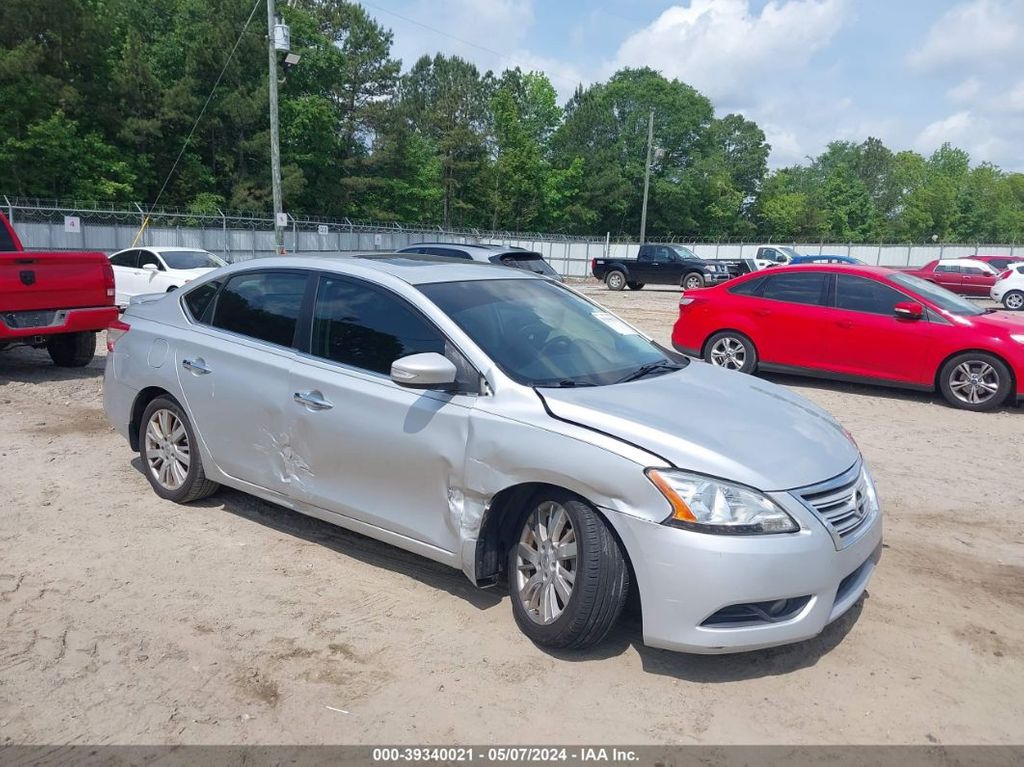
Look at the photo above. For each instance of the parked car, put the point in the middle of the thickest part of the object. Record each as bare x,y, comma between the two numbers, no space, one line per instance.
774,255
1009,287
57,300
503,424
659,264
858,323
960,275
138,271
517,258
825,259
999,263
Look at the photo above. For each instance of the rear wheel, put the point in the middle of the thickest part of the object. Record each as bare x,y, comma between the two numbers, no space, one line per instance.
692,281
635,285
615,280
1014,300
568,579
72,350
732,351
169,453
975,381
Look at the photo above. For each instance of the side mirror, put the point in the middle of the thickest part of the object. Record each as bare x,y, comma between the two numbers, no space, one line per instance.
429,370
151,267
908,310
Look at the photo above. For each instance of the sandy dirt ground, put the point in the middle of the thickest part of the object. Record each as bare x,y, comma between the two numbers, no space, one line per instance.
127,619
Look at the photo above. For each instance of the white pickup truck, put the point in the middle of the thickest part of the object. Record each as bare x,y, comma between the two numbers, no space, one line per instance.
774,255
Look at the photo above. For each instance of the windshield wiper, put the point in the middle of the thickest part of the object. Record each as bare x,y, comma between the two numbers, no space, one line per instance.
571,383
649,368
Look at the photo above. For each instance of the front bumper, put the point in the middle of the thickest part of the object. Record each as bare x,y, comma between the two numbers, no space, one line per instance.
713,278
685,577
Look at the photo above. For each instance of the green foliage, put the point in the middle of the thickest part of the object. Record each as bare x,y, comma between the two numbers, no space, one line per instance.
99,95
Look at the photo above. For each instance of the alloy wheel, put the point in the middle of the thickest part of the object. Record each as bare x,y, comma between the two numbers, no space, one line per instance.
167,449
546,563
729,353
692,283
616,281
974,382
1014,301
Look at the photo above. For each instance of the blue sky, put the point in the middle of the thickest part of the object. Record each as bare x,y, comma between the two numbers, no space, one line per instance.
914,73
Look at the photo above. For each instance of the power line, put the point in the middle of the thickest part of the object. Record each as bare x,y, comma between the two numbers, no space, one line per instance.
209,98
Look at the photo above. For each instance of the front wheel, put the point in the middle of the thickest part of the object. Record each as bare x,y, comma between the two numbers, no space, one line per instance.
975,381
1014,300
692,281
615,280
72,350
568,579
732,351
170,453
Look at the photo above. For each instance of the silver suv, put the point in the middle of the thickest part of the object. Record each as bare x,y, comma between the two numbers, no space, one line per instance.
503,424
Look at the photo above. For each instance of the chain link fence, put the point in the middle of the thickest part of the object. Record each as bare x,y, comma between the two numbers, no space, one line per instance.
238,236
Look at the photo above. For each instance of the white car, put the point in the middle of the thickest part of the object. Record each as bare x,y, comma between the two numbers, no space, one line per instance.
774,255
158,270
1010,289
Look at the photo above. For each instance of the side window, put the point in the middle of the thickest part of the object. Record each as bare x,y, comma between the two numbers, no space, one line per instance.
663,255
198,299
949,268
448,253
263,305
858,294
805,288
367,328
1020,270
646,254
129,258
972,270
748,288
145,257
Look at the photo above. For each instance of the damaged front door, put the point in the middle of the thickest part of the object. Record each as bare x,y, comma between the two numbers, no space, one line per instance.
371,449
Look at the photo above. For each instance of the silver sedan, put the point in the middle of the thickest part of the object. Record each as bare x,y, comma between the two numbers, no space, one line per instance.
503,424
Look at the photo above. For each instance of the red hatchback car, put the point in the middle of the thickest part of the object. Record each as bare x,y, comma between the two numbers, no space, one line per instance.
857,323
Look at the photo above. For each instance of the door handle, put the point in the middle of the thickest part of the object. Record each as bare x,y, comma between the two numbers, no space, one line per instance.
312,399
844,323
762,312
197,366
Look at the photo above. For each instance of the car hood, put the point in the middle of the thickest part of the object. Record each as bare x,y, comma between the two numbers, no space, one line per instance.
191,274
1010,322
717,422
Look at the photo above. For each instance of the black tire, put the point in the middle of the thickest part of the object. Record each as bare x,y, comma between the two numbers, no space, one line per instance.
615,280
172,288
956,384
195,484
601,578
1014,300
744,360
635,285
692,281
72,350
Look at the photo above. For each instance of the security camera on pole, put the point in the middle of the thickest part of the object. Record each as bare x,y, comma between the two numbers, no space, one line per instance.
278,39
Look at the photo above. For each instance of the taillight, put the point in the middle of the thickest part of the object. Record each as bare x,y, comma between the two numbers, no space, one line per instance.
108,279
686,300
115,331
1004,275
593,264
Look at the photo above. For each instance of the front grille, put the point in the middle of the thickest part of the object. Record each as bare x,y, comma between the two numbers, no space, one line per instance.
843,504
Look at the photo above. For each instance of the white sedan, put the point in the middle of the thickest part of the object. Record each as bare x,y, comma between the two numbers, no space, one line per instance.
1009,289
158,270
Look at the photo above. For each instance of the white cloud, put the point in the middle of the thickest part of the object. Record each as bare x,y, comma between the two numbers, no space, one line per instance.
952,129
965,91
1014,101
726,50
975,32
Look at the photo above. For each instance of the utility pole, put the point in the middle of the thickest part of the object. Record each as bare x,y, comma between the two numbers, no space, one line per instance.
275,146
647,177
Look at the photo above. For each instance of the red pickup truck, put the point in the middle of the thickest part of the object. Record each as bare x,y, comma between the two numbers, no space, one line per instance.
58,300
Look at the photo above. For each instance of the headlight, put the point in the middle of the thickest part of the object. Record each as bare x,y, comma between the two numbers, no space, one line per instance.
709,505
872,506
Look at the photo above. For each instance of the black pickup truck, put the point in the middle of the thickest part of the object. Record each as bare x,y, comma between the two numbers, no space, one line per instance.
663,265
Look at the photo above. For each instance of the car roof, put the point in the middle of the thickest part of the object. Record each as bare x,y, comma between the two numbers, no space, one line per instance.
861,269
488,247
412,268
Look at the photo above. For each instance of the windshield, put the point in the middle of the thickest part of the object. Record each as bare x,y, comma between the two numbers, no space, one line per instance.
532,262
939,296
790,252
683,252
191,259
542,334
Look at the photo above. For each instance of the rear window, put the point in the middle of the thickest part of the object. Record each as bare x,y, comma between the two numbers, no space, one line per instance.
6,241
261,305
198,299
748,288
531,262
